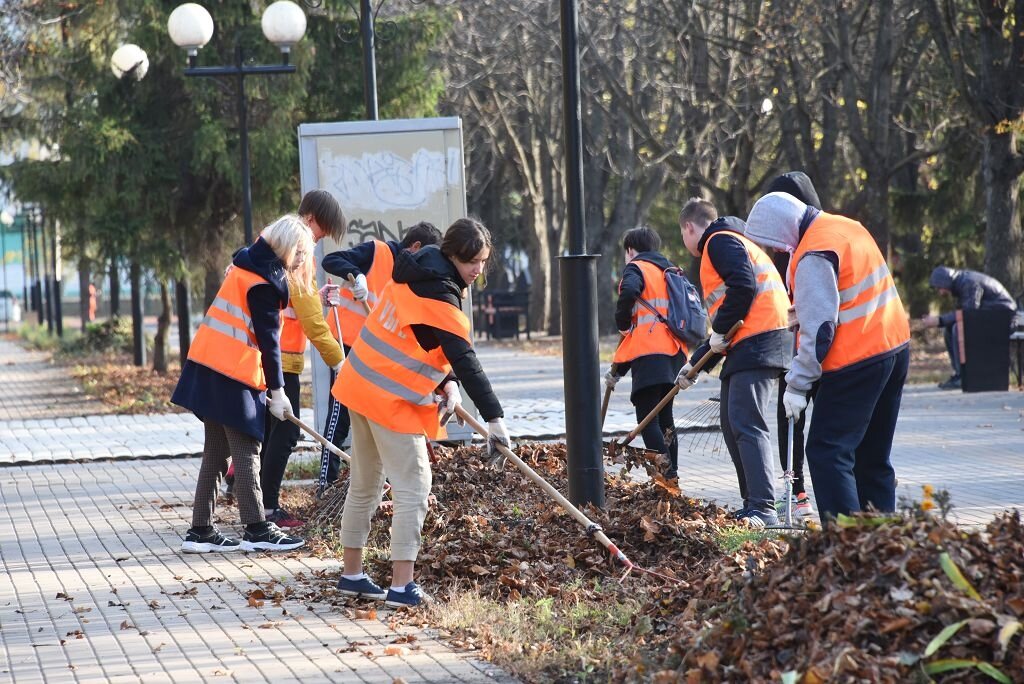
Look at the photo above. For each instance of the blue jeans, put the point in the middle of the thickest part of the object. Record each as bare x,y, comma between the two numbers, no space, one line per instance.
851,434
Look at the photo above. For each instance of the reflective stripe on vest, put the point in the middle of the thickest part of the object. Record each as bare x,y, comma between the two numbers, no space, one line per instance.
872,320
225,341
387,377
768,309
352,314
648,335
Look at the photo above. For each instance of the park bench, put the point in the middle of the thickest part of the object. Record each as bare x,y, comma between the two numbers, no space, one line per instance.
1017,339
504,313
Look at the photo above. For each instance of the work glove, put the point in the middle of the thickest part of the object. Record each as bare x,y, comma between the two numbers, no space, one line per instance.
791,321
452,400
359,289
496,434
683,381
718,343
279,405
329,294
794,403
336,369
610,380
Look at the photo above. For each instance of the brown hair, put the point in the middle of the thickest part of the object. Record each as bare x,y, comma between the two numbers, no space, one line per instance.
464,239
642,239
697,210
322,206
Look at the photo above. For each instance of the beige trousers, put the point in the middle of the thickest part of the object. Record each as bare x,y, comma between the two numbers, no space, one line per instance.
378,452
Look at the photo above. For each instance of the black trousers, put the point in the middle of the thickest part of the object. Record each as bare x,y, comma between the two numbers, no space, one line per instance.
950,334
798,437
851,436
659,435
278,441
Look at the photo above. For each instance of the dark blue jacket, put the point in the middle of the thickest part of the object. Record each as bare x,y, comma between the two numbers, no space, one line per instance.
772,349
357,260
973,290
652,369
217,397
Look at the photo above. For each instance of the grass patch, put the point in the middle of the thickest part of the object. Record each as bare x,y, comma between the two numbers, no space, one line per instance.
732,539
303,466
116,381
543,639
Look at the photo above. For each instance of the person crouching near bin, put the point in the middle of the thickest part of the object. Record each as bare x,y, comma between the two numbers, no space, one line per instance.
233,360
854,342
405,355
648,348
740,283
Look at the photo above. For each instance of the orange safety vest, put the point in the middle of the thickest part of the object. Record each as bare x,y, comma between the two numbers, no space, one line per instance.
388,377
768,310
871,316
647,335
351,313
225,341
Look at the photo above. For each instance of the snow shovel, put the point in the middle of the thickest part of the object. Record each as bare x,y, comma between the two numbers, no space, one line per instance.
591,527
616,445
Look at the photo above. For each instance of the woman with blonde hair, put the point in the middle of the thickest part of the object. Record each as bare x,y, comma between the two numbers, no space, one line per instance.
233,375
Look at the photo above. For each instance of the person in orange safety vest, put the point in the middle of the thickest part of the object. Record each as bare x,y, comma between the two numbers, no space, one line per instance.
233,375
414,346
740,282
854,343
648,349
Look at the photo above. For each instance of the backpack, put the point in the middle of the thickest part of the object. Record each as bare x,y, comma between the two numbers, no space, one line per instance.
687,317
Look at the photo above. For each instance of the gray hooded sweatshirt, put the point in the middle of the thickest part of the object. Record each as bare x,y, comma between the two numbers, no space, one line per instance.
777,221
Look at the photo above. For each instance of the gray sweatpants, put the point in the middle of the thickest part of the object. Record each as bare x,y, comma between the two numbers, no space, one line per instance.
744,405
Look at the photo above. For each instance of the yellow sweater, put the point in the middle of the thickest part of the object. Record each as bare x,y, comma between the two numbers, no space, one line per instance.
311,317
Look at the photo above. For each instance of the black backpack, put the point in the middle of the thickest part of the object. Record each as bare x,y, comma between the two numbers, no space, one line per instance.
687,317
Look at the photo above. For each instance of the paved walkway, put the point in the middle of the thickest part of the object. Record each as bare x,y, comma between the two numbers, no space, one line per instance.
33,387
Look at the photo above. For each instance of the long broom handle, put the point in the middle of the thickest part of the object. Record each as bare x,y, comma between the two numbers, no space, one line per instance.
576,513
607,395
366,305
675,390
323,440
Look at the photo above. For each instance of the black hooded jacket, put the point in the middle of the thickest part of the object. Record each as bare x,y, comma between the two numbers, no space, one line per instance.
771,349
653,369
799,185
357,260
973,290
431,275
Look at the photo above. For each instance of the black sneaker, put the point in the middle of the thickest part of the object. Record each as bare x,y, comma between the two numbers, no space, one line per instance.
270,537
363,588
953,383
410,598
197,541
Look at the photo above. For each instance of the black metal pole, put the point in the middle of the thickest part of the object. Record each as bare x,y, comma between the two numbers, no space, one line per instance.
37,288
580,358
115,288
48,304
138,332
184,317
243,125
58,310
369,59
3,258
24,263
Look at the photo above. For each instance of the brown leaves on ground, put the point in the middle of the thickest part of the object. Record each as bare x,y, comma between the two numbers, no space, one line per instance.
128,389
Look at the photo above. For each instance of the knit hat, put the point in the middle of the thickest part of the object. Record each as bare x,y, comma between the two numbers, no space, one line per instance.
774,221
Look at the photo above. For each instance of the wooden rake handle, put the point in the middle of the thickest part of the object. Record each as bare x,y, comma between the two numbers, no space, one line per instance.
587,523
607,395
323,440
366,305
674,391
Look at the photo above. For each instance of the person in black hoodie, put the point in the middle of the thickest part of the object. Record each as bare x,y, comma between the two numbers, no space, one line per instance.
235,355
799,185
413,350
648,348
972,290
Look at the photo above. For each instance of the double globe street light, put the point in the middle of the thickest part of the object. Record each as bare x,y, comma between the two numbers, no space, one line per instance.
191,27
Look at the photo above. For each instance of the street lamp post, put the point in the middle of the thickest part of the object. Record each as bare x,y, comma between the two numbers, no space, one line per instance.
191,27
6,221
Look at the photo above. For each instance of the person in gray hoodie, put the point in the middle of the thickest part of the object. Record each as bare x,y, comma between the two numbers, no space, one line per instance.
854,342
973,290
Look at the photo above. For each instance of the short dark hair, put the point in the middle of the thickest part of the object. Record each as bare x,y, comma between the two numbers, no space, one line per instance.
424,232
464,239
642,239
322,206
697,210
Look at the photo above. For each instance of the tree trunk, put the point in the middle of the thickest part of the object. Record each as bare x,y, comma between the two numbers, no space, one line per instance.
163,325
211,284
540,267
1003,238
115,289
84,276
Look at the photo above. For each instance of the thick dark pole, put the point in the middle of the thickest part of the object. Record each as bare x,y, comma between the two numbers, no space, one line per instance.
58,310
369,59
48,304
243,125
184,317
138,331
115,288
37,290
3,262
580,359
24,263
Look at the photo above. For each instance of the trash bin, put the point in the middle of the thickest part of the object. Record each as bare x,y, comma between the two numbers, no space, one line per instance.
986,350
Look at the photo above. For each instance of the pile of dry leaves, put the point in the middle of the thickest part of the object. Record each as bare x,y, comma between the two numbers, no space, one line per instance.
863,601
